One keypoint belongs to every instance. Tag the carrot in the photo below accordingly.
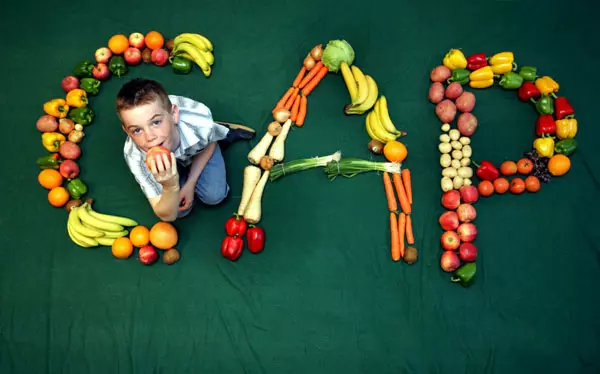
(299, 77)
(389, 192)
(315, 81)
(406, 208)
(410, 237)
(295, 108)
(402, 232)
(290, 100)
(284, 98)
(311, 74)
(302, 111)
(396, 255)
(407, 184)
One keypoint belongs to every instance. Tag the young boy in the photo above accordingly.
(185, 127)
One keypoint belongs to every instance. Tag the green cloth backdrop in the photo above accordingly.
(324, 296)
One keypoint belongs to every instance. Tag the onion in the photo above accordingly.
(266, 162)
(281, 115)
(274, 128)
(309, 62)
(317, 52)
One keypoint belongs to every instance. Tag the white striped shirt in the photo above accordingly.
(196, 130)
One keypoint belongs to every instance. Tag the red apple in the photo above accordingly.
(69, 169)
(160, 56)
(449, 261)
(467, 232)
(468, 252)
(103, 55)
(466, 213)
(148, 255)
(69, 150)
(155, 152)
(137, 40)
(450, 241)
(69, 83)
(449, 220)
(469, 194)
(451, 199)
(101, 71)
(133, 56)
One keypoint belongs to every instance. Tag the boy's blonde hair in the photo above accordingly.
(140, 91)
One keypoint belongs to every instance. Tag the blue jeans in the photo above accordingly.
(212, 187)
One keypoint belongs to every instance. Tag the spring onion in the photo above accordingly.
(294, 166)
(349, 167)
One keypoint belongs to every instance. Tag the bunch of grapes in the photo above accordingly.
(540, 166)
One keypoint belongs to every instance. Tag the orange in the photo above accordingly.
(559, 165)
(154, 40)
(58, 196)
(50, 178)
(163, 235)
(118, 44)
(122, 248)
(394, 151)
(139, 236)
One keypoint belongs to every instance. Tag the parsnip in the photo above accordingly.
(251, 178)
(278, 149)
(254, 210)
(260, 149)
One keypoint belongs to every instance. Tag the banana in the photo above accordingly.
(77, 226)
(74, 240)
(196, 55)
(197, 40)
(208, 56)
(361, 82)
(369, 130)
(98, 224)
(79, 239)
(379, 131)
(114, 234)
(350, 82)
(381, 107)
(123, 221)
(373, 94)
(106, 241)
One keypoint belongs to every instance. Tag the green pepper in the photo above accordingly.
(84, 69)
(83, 116)
(511, 81)
(50, 161)
(545, 105)
(465, 274)
(529, 73)
(459, 75)
(565, 146)
(181, 65)
(90, 85)
(76, 188)
(117, 65)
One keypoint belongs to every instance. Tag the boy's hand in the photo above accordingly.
(186, 196)
(165, 172)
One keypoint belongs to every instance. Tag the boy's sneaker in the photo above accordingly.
(236, 132)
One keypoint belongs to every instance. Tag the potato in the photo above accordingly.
(454, 134)
(467, 151)
(440, 74)
(445, 138)
(456, 144)
(467, 124)
(445, 127)
(455, 164)
(465, 102)
(445, 147)
(457, 154)
(436, 92)
(449, 172)
(446, 111)
(454, 90)
(465, 172)
(457, 182)
(464, 140)
(465, 161)
(445, 160)
(47, 123)
(467, 182)
(447, 184)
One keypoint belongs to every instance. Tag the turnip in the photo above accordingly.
(454, 90)
(440, 74)
(465, 102)
(436, 92)
(446, 111)
(467, 124)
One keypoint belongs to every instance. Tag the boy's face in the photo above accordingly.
(152, 125)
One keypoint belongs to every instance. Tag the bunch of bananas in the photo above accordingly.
(196, 48)
(379, 125)
(88, 228)
(362, 88)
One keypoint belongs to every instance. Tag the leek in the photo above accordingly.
(294, 166)
(349, 167)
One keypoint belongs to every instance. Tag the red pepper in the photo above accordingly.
(562, 108)
(476, 61)
(231, 248)
(528, 91)
(487, 171)
(256, 239)
(236, 226)
(545, 125)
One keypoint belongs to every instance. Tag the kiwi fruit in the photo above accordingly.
(171, 256)
(410, 255)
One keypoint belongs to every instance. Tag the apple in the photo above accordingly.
(69, 169)
(69, 150)
(466, 213)
(450, 241)
(467, 252)
(467, 232)
(469, 194)
(148, 255)
(449, 261)
(137, 40)
(156, 152)
(69, 83)
(103, 55)
(160, 56)
(449, 220)
(451, 199)
(101, 71)
(133, 56)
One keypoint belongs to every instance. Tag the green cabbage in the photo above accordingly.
(336, 52)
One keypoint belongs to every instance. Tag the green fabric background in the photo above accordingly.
(324, 296)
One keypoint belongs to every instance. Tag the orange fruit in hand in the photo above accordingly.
(122, 248)
(58, 196)
(118, 44)
(501, 185)
(394, 151)
(559, 164)
(50, 178)
(154, 40)
(517, 186)
(524, 166)
(532, 183)
(485, 188)
(508, 168)
(139, 236)
(163, 235)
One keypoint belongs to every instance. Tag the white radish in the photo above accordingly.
(251, 178)
(253, 212)
(278, 149)
(260, 149)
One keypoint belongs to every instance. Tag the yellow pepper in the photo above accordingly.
(52, 141)
(57, 108)
(77, 98)
(544, 146)
(455, 59)
(502, 62)
(482, 83)
(546, 85)
(566, 128)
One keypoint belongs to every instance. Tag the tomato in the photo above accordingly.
(517, 186)
(156, 152)
(501, 185)
(524, 166)
(532, 183)
(508, 168)
(485, 188)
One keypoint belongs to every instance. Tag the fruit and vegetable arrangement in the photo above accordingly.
(554, 143)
